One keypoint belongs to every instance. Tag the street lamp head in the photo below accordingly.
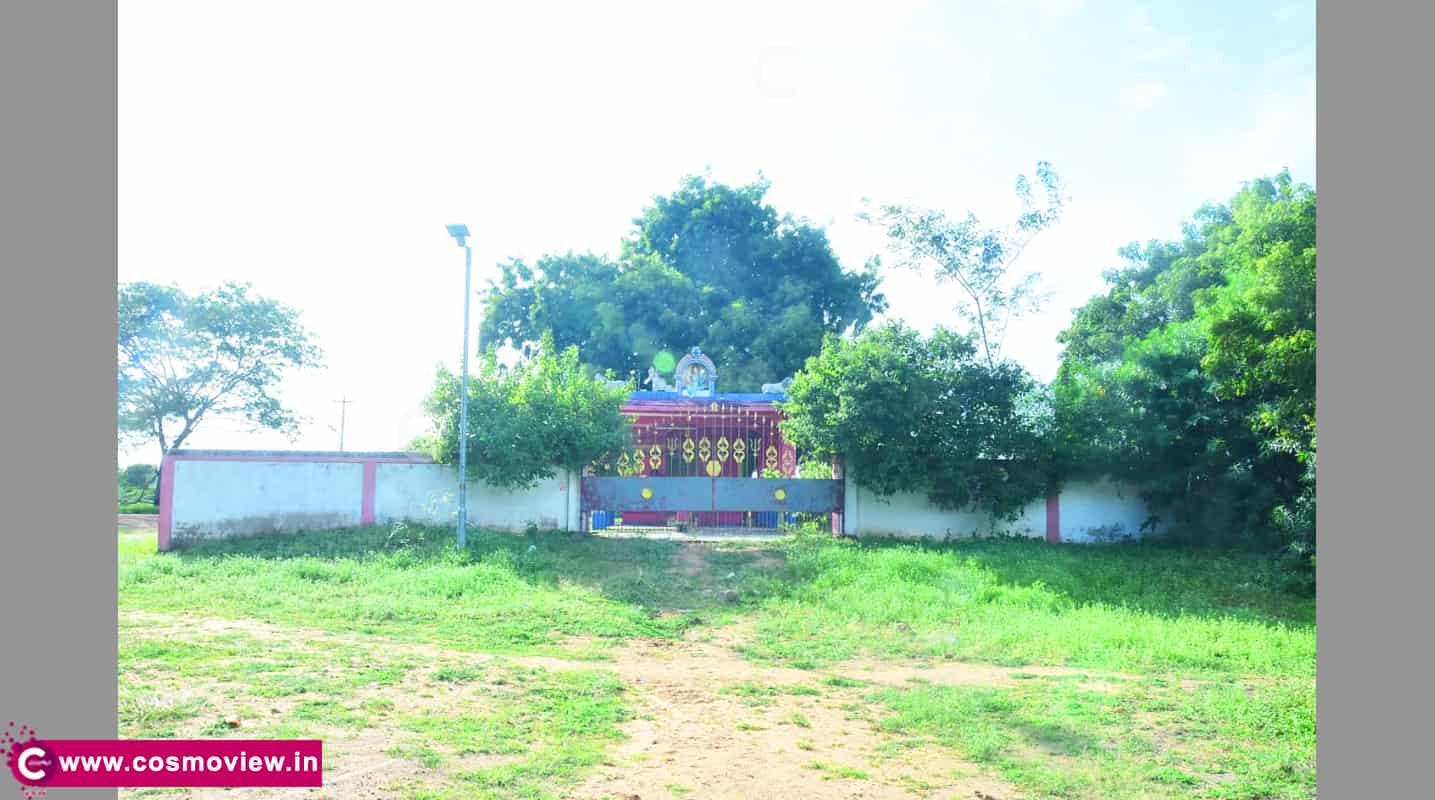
(459, 232)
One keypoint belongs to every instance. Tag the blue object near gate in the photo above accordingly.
(602, 519)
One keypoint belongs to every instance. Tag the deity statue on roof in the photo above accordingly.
(696, 375)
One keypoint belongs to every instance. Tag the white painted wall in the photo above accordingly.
(227, 498)
(218, 498)
(1096, 510)
(215, 498)
(429, 493)
(1089, 510)
(906, 515)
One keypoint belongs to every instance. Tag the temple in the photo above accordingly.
(688, 428)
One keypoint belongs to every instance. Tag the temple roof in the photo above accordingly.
(728, 398)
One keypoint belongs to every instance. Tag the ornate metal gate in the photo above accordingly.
(704, 460)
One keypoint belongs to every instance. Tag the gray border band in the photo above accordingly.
(58, 231)
(1373, 630)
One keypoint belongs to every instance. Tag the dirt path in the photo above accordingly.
(703, 658)
(139, 520)
(692, 738)
(707, 722)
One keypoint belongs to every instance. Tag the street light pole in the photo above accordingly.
(460, 232)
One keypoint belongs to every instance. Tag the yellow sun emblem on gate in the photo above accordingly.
(647, 493)
(714, 468)
(780, 494)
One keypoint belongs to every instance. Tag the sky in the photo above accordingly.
(316, 150)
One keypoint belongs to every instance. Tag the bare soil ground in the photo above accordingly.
(707, 722)
(139, 521)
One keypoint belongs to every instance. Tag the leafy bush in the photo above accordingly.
(138, 508)
(527, 422)
(928, 415)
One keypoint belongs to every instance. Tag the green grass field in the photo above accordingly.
(506, 670)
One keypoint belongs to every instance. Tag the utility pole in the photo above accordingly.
(343, 407)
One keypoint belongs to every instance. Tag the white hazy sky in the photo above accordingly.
(317, 149)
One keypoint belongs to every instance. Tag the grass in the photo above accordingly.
(838, 770)
(1059, 739)
(496, 596)
(756, 694)
(1203, 681)
(530, 705)
(1128, 608)
(549, 726)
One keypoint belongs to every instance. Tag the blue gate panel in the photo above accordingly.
(712, 494)
(777, 494)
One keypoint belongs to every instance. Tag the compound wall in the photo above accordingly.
(218, 493)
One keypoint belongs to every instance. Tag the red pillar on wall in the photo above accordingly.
(166, 500)
(1053, 518)
(366, 506)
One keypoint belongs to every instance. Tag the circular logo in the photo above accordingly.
(34, 763)
(647, 493)
(780, 494)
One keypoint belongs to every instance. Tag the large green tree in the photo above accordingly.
(711, 266)
(1194, 375)
(185, 358)
(923, 414)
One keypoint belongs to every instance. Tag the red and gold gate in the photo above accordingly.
(702, 459)
(727, 437)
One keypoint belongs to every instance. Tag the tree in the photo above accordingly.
(711, 266)
(186, 358)
(928, 415)
(528, 421)
(976, 257)
(1261, 336)
(1260, 325)
(134, 483)
(1194, 375)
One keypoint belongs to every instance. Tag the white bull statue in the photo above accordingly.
(777, 388)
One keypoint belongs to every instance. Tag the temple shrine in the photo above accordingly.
(687, 428)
